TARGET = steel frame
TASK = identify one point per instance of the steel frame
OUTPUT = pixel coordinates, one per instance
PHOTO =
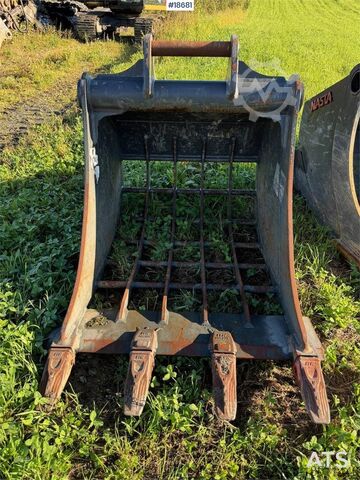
(132, 116)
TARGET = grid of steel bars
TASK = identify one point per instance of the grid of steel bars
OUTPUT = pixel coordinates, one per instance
(167, 285)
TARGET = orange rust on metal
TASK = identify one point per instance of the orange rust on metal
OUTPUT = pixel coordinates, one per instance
(190, 49)
(184, 243)
(215, 265)
(191, 191)
(123, 310)
(56, 372)
(291, 258)
(204, 131)
(85, 272)
(164, 309)
(182, 347)
(142, 361)
(182, 336)
(82, 265)
(309, 375)
(223, 365)
(205, 307)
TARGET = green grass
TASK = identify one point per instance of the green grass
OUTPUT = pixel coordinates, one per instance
(36, 63)
(178, 436)
(317, 40)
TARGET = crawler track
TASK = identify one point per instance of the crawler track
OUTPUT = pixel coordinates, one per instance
(19, 118)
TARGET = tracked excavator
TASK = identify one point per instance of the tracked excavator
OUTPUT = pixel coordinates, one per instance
(17, 16)
(93, 19)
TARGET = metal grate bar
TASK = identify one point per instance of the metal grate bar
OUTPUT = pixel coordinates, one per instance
(231, 238)
(210, 265)
(163, 157)
(166, 281)
(215, 221)
(180, 243)
(164, 309)
(119, 284)
(191, 191)
(202, 246)
(123, 310)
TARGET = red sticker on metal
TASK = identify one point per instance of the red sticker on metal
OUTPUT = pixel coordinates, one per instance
(321, 101)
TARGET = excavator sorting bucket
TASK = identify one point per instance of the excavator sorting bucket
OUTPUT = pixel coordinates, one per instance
(187, 241)
(327, 167)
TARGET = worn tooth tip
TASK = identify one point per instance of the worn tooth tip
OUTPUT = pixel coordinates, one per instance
(133, 411)
(322, 420)
(226, 416)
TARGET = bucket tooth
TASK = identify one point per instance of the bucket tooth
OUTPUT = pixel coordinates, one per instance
(57, 371)
(223, 365)
(309, 375)
(142, 360)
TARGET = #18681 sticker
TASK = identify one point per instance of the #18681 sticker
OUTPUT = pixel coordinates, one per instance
(180, 5)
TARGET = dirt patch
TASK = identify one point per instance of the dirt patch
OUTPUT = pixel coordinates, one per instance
(19, 118)
(269, 390)
(98, 381)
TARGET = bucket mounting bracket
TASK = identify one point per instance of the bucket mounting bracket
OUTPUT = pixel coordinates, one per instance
(156, 48)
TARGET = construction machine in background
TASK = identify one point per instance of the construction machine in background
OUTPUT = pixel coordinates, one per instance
(88, 19)
(17, 15)
(93, 19)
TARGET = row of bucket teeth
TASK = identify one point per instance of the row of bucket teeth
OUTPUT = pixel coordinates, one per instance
(142, 361)
(307, 371)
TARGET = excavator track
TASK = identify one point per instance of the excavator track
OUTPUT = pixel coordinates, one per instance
(142, 27)
(87, 27)
(18, 119)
